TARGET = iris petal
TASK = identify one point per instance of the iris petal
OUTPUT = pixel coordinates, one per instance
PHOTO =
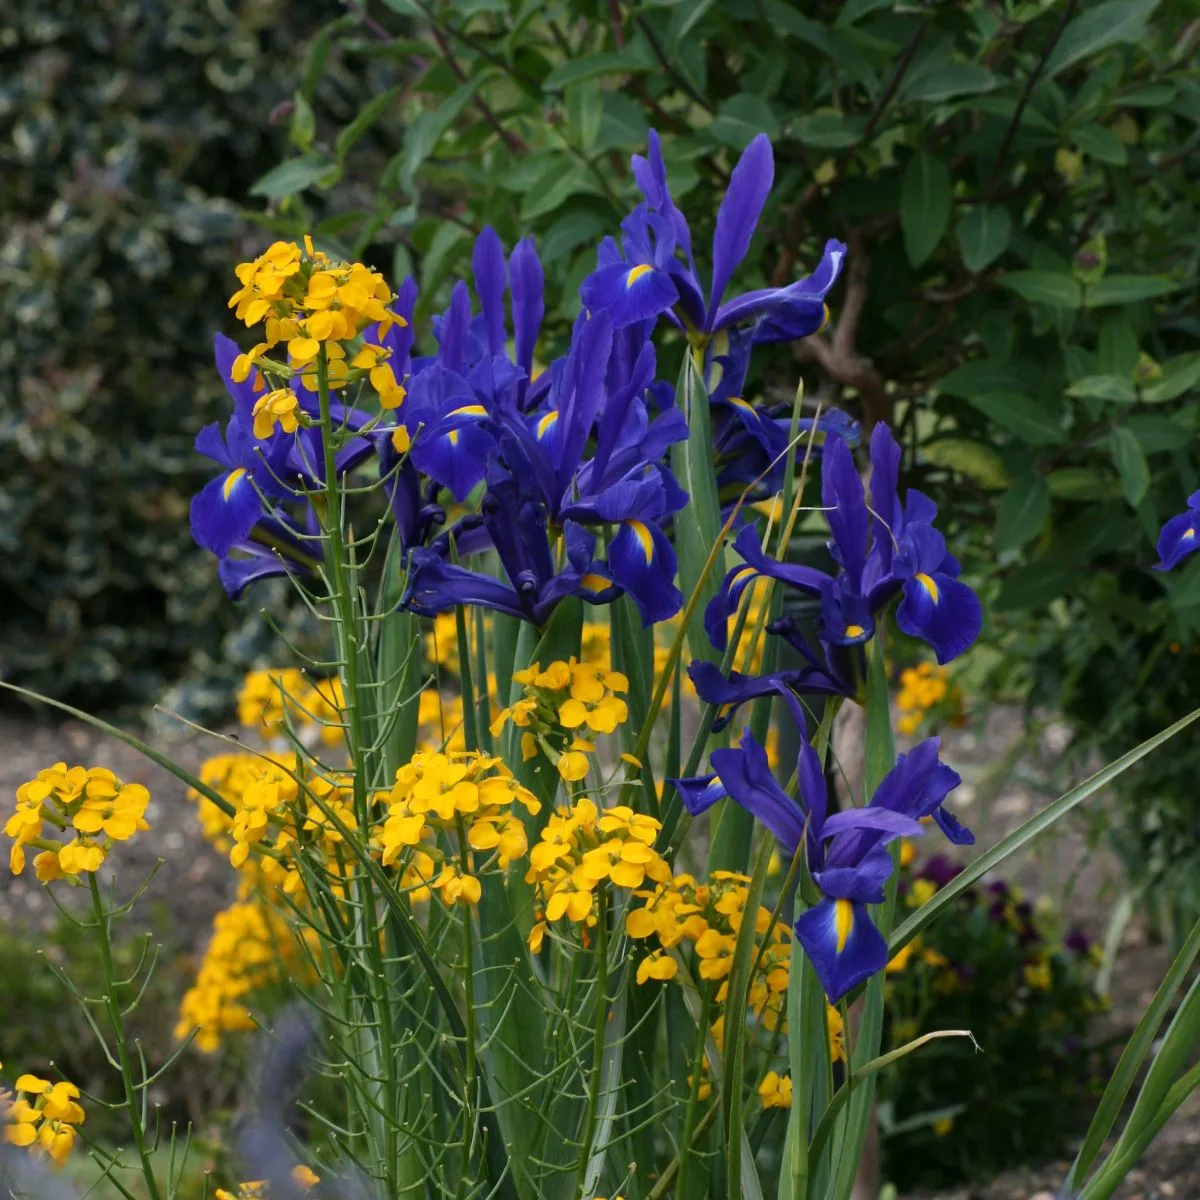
(942, 611)
(842, 944)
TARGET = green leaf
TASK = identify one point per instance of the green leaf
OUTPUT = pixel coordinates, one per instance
(1101, 144)
(828, 130)
(941, 78)
(585, 113)
(623, 124)
(567, 179)
(740, 119)
(569, 231)
(1153, 95)
(1179, 375)
(1127, 289)
(1034, 586)
(428, 128)
(1132, 1057)
(593, 66)
(1022, 513)
(1031, 829)
(983, 235)
(1105, 387)
(1033, 421)
(924, 206)
(985, 375)
(684, 20)
(1080, 483)
(973, 459)
(1130, 461)
(367, 116)
(1044, 287)
(1105, 25)
(292, 176)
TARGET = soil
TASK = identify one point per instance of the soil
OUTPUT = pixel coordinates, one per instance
(1000, 790)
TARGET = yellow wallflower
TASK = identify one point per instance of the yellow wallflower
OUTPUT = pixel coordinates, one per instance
(43, 1116)
(775, 1091)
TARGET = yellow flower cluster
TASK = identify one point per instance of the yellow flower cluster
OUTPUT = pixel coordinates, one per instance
(314, 307)
(42, 1115)
(90, 806)
(583, 847)
(923, 688)
(268, 698)
(461, 794)
(252, 946)
(304, 1178)
(560, 704)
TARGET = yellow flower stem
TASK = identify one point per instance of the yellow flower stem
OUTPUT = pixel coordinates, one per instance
(599, 1025)
(113, 1006)
(693, 1101)
(470, 1100)
(379, 1059)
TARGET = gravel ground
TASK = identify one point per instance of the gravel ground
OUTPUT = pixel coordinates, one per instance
(192, 883)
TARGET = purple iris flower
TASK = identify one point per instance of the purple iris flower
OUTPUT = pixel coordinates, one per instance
(846, 851)
(1180, 536)
(881, 550)
(644, 277)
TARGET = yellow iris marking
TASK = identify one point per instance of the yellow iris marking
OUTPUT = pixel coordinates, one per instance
(231, 481)
(643, 536)
(825, 315)
(635, 273)
(927, 583)
(1188, 534)
(741, 403)
(854, 631)
(469, 410)
(595, 583)
(547, 423)
(843, 922)
(453, 436)
(744, 573)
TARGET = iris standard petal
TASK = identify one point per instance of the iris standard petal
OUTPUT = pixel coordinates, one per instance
(487, 262)
(747, 777)
(845, 510)
(699, 794)
(436, 586)
(526, 285)
(842, 944)
(737, 218)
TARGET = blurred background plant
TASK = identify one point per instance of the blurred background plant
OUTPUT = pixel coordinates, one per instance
(1005, 968)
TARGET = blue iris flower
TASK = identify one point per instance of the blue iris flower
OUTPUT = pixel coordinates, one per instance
(880, 549)
(846, 852)
(644, 277)
(1180, 536)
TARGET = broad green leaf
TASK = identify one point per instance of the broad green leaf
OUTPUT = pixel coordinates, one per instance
(1132, 1058)
(551, 190)
(740, 119)
(623, 124)
(1183, 585)
(1130, 461)
(1031, 829)
(1022, 512)
(851, 10)
(1179, 375)
(1044, 287)
(1117, 350)
(1080, 483)
(983, 235)
(1101, 144)
(924, 206)
(684, 20)
(982, 375)
(570, 231)
(973, 459)
(1033, 421)
(1156, 432)
(828, 130)
(292, 176)
(1127, 289)
(1105, 387)
(584, 113)
(1034, 586)
(941, 78)
(1110, 24)
(593, 66)
(366, 117)
(428, 127)
(1153, 95)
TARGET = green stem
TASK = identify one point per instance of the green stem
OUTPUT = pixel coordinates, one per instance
(469, 1099)
(380, 1060)
(693, 1103)
(118, 1027)
(600, 1023)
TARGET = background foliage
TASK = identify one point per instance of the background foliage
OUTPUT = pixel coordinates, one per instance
(129, 133)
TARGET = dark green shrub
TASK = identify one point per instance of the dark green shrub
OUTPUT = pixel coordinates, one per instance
(129, 133)
(998, 966)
